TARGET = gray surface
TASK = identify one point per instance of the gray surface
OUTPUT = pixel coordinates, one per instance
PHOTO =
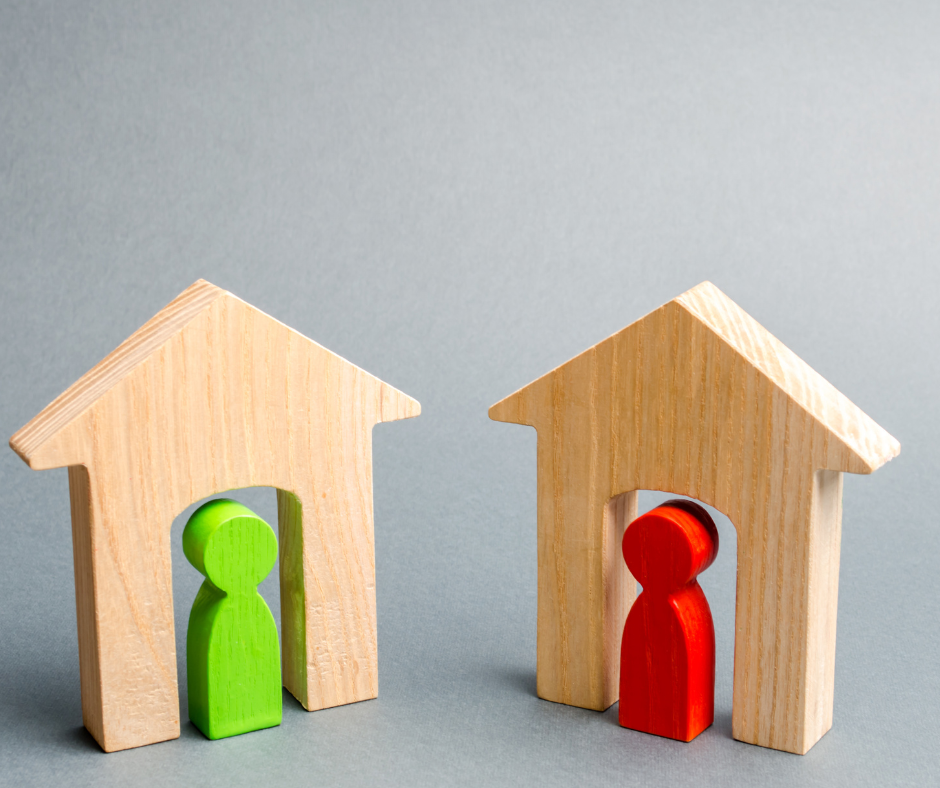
(457, 197)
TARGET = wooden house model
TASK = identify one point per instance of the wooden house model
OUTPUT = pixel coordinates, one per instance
(696, 399)
(212, 395)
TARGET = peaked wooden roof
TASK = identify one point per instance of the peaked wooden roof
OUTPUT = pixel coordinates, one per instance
(148, 339)
(871, 445)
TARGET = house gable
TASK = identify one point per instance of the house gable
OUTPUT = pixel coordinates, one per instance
(166, 346)
(846, 439)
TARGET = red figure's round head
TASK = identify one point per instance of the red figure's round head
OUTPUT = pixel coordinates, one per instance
(670, 545)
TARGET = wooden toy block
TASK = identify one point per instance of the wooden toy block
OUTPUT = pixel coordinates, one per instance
(667, 655)
(697, 399)
(233, 662)
(212, 395)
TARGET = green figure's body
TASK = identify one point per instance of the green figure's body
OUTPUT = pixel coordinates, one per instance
(233, 659)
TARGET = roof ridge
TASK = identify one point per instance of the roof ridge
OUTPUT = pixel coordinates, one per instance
(114, 367)
(809, 390)
(790, 373)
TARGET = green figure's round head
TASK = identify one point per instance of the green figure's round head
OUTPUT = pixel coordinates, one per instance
(229, 544)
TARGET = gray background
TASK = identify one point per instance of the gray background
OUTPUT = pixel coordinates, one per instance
(458, 196)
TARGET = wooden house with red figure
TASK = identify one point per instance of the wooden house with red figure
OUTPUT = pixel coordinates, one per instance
(697, 399)
(212, 395)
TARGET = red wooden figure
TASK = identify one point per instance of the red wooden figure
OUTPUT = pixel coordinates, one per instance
(667, 656)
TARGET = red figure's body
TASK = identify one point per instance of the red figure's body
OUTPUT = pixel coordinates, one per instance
(667, 656)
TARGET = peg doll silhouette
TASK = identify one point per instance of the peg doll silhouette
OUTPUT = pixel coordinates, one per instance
(232, 653)
(667, 656)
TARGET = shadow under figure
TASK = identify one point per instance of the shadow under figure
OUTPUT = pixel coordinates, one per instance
(233, 659)
(667, 657)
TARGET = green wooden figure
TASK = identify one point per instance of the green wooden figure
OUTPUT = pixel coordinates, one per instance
(233, 661)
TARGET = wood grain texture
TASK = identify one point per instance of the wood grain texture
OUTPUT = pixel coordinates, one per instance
(697, 399)
(214, 395)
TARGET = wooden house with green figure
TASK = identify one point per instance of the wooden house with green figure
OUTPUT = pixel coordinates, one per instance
(208, 396)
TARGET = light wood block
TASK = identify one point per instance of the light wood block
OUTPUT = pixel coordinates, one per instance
(697, 399)
(212, 395)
